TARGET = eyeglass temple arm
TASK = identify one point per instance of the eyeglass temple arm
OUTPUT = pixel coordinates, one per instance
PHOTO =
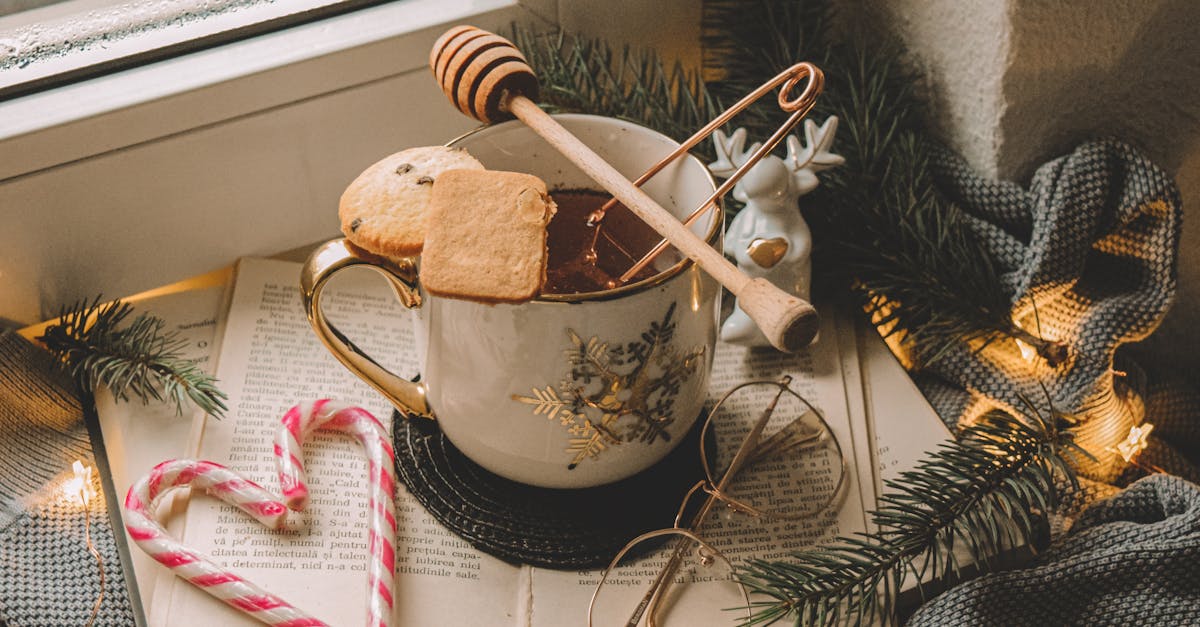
(744, 450)
(662, 582)
(786, 439)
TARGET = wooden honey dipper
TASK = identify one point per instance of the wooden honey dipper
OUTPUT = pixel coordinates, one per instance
(487, 78)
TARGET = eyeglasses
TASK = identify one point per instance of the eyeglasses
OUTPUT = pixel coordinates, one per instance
(776, 458)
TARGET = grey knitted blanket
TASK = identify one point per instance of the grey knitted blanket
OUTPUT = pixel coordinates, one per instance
(1133, 559)
(1088, 257)
(47, 576)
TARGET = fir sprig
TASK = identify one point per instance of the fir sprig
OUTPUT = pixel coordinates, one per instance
(879, 224)
(981, 493)
(586, 75)
(140, 359)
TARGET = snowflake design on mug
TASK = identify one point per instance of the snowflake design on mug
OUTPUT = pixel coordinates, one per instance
(617, 394)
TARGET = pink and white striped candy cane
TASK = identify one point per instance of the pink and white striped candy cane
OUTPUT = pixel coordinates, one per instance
(299, 422)
(142, 501)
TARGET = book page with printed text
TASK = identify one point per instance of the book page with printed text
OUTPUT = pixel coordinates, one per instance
(562, 598)
(272, 360)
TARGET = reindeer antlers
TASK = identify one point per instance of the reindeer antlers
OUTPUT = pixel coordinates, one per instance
(815, 156)
(731, 152)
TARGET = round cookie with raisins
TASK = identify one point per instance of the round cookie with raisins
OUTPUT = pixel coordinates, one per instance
(384, 210)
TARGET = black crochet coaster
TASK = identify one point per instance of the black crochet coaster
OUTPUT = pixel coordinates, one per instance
(562, 529)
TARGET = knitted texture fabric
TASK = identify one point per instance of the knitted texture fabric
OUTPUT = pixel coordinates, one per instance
(47, 575)
(1133, 559)
(1087, 255)
(1088, 258)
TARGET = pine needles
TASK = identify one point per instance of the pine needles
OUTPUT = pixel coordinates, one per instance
(980, 493)
(883, 232)
(879, 224)
(139, 360)
(587, 76)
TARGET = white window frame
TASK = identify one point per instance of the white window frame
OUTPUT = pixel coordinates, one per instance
(66, 41)
(88, 118)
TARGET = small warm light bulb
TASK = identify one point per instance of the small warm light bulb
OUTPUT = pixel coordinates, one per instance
(79, 487)
(1135, 442)
(1028, 353)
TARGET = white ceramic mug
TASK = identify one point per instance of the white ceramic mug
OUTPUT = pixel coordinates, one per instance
(564, 391)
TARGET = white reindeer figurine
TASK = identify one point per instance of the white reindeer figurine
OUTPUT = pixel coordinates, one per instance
(769, 238)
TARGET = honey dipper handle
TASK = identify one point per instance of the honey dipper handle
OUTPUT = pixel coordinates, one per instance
(789, 322)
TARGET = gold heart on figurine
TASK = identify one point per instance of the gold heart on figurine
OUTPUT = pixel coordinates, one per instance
(767, 252)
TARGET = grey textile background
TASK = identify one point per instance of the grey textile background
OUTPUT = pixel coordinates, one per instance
(1088, 256)
(47, 576)
(1133, 559)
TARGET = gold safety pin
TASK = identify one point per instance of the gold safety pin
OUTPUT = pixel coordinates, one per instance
(798, 107)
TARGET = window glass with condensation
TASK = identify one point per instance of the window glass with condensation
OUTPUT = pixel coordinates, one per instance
(48, 43)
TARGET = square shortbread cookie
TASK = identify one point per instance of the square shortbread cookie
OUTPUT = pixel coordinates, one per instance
(486, 236)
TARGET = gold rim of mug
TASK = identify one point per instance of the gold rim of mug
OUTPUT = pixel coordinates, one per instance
(644, 284)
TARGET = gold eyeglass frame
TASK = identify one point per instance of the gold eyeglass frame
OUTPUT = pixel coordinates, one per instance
(784, 440)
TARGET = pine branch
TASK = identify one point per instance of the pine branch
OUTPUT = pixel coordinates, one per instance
(912, 261)
(981, 492)
(880, 227)
(586, 75)
(141, 359)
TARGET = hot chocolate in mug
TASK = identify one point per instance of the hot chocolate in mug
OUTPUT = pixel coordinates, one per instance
(566, 390)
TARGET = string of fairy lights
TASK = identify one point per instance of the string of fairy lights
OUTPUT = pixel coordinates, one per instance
(77, 490)
(1112, 427)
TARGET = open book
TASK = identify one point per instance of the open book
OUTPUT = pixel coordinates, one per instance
(267, 359)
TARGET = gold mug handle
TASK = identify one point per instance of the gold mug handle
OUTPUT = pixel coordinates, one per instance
(329, 259)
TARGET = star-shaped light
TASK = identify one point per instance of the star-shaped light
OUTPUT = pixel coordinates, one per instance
(1135, 442)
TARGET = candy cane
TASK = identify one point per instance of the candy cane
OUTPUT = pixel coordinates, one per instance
(142, 501)
(302, 420)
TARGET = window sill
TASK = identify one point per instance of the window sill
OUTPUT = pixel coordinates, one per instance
(141, 104)
(68, 40)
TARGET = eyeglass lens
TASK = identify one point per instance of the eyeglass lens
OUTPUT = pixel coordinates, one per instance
(792, 468)
(788, 466)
